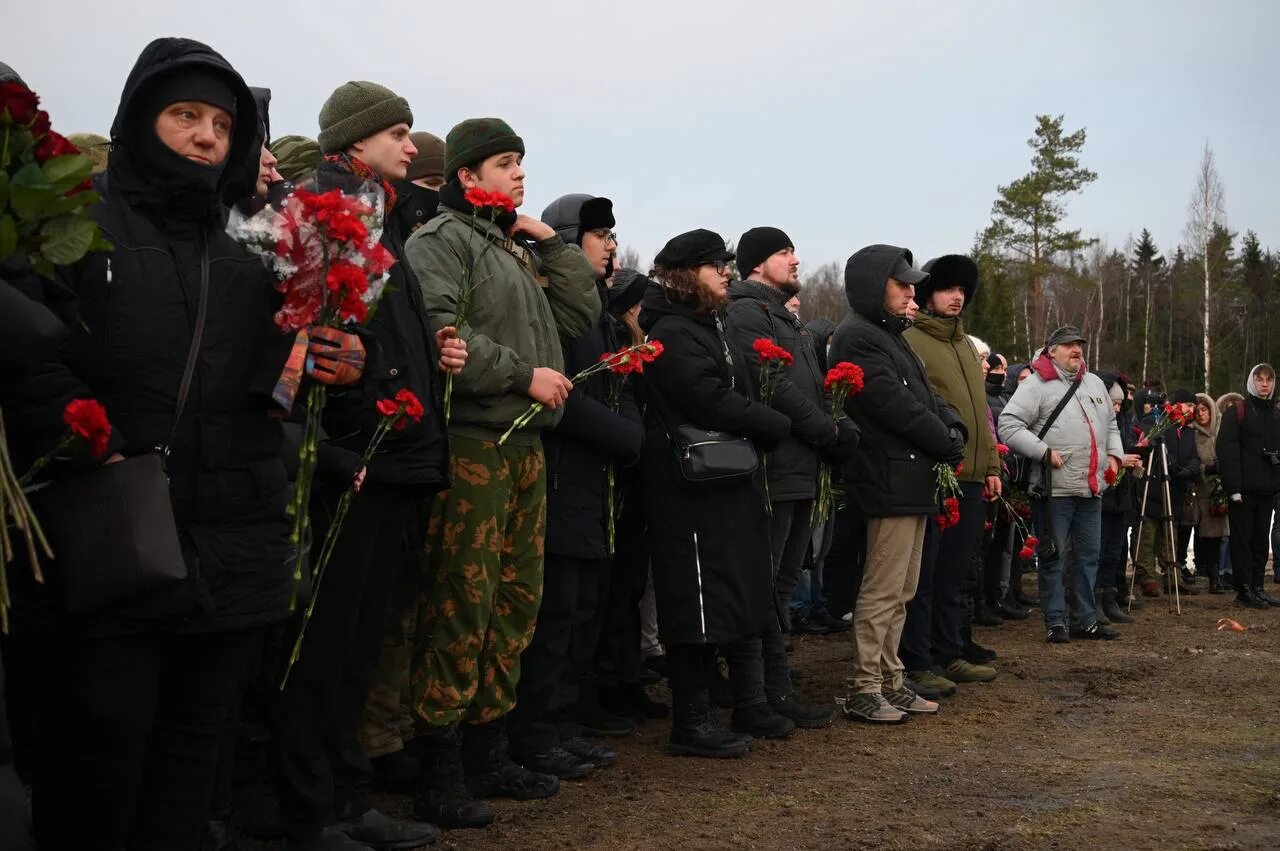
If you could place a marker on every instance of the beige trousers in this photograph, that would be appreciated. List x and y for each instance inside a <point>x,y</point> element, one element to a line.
<point>894,547</point>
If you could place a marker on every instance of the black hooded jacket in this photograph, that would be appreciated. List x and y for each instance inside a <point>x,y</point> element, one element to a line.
<point>1249,445</point>
<point>132,314</point>
<point>712,572</point>
<point>758,311</point>
<point>591,435</point>
<point>905,425</point>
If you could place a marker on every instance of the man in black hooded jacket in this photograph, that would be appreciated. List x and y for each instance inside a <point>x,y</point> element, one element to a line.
<point>554,682</point>
<point>906,430</point>
<point>158,671</point>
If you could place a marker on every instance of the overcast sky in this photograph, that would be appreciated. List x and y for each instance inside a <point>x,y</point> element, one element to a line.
<point>844,123</point>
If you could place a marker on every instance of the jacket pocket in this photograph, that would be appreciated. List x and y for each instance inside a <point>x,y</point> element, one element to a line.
<point>910,476</point>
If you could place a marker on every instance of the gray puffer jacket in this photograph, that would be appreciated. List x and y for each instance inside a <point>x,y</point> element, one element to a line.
<point>1084,434</point>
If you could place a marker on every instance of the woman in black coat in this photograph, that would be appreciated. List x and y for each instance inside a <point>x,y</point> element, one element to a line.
<point>712,571</point>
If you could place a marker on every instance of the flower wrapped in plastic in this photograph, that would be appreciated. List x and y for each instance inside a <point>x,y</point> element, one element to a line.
<point>323,247</point>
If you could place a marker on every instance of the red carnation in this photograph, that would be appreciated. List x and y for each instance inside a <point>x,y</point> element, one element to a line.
<point>1109,476</point>
<point>387,407</point>
<point>21,103</point>
<point>87,420</point>
<point>1033,541</point>
<point>1026,553</point>
<point>345,227</point>
<point>1002,448</point>
<point>650,351</point>
<point>478,198</point>
<point>54,145</point>
<point>960,467</point>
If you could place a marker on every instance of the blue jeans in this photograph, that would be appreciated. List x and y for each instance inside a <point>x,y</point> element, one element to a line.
<point>1077,525</point>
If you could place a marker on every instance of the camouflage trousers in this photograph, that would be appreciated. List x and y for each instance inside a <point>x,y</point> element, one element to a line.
<point>1154,547</point>
<point>482,583</point>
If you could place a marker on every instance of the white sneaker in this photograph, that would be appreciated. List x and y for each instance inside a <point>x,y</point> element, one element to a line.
<point>871,708</point>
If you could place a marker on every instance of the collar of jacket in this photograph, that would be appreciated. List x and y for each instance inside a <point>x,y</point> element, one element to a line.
<point>940,327</point>
<point>1050,371</point>
<point>758,290</point>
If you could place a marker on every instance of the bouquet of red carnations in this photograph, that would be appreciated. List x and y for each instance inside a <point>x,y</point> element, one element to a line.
<point>843,380</point>
<point>324,249</point>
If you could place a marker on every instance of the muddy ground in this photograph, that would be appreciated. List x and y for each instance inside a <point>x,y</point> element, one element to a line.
<point>1167,738</point>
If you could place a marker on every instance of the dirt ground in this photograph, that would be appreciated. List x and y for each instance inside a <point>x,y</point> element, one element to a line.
<point>1167,738</point>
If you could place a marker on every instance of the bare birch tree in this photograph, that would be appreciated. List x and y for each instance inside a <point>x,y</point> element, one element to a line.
<point>1206,212</point>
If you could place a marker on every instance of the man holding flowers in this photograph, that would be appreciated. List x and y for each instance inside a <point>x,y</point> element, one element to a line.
<point>515,290</point>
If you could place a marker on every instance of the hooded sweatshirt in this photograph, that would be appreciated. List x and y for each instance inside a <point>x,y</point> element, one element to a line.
<point>1084,434</point>
<point>906,427</point>
<point>1248,441</point>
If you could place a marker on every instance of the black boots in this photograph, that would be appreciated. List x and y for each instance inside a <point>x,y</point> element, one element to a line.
<point>490,771</point>
<point>1111,608</point>
<point>443,798</point>
<point>695,731</point>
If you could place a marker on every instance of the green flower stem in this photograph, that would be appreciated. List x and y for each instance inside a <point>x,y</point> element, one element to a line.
<point>302,486</point>
<point>331,539</point>
<point>43,461</point>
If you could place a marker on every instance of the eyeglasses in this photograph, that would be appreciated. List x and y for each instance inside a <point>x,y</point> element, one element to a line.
<point>605,234</point>
<point>720,266</point>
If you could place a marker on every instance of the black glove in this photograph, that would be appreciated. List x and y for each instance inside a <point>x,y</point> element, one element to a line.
<point>955,453</point>
<point>846,443</point>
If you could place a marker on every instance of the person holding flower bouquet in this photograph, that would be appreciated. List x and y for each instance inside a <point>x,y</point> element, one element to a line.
<point>601,430</point>
<point>1070,452</point>
<point>159,671</point>
<point>907,429</point>
<point>936,629</point>
<point>758,667</point>
<point>516,292</point>
<point>712,571</point>
<point>1211,522</point>
<point>1111,590</point>
<point>364,134</point>
<point>1170,426</point>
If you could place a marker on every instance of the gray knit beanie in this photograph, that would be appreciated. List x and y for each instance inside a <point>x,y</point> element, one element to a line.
<point>357,110</point>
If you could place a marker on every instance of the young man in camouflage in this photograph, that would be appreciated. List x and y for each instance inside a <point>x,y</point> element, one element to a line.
<point>484,548</point>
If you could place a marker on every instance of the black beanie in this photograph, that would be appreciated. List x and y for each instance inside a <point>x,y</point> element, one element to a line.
<point>758,245</point>
<point>1183,397</point>
<point>187,84</point>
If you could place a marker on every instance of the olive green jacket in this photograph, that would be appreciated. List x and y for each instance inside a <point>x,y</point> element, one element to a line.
<point>955,371</point>
<point>514,323</point>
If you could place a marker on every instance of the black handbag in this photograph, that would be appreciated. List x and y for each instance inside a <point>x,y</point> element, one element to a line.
<point>112,530</point>
<point>706,458</point>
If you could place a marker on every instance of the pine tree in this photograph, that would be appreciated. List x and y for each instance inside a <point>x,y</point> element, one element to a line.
<point>1027,216</point>
<point>1146,264</point>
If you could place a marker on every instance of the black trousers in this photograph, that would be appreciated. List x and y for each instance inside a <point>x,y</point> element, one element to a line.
<point>934,631</point>
<point>994,555</point>
<point>690,668</point>
<point>1115,545</point>
<point>1208,555</point>
<point>127,742</point>
<point>617,658</point>
<point>322,768</point>
<point>556,660</point>
<point>1250,533</point>
<point>842,573</point>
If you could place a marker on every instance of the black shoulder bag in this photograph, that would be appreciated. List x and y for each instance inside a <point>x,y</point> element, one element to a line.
<point>112,530</point>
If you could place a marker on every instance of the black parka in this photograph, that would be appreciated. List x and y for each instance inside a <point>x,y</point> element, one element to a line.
<point>758,311</point>
<point>589,437</point>
<point>131,313</point>
<point>1248,440</point>
<point>904,423</point>
<point>712,571</point>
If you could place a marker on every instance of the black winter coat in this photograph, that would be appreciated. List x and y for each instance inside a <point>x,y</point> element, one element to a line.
<point>1242,443</point>
<point>132,313</point>
<point>712,569</point>
<point>755,311</point>
<point>416,207</point>
<point>1184,469</point>
<point>904,423</point>
<point>589,437</point>
<point>401,353</point>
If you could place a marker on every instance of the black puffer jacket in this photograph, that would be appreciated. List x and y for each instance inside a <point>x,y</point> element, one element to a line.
<point>712,572</point>
<point>132,313</point>
<point>589,437</point>
<point>1122,497</point>
<point>904,423</point>
<point>401,354</point>
<point>1249,444</point>
<point>758,311</point>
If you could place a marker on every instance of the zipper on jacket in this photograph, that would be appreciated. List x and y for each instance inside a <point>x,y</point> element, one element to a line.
<point>697,564</point>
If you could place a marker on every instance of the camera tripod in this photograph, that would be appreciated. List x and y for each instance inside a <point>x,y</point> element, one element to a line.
<point>1166,518</point>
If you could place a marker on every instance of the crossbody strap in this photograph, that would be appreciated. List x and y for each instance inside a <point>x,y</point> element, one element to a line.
<point>1066,397</point>
<point>193,354</point>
